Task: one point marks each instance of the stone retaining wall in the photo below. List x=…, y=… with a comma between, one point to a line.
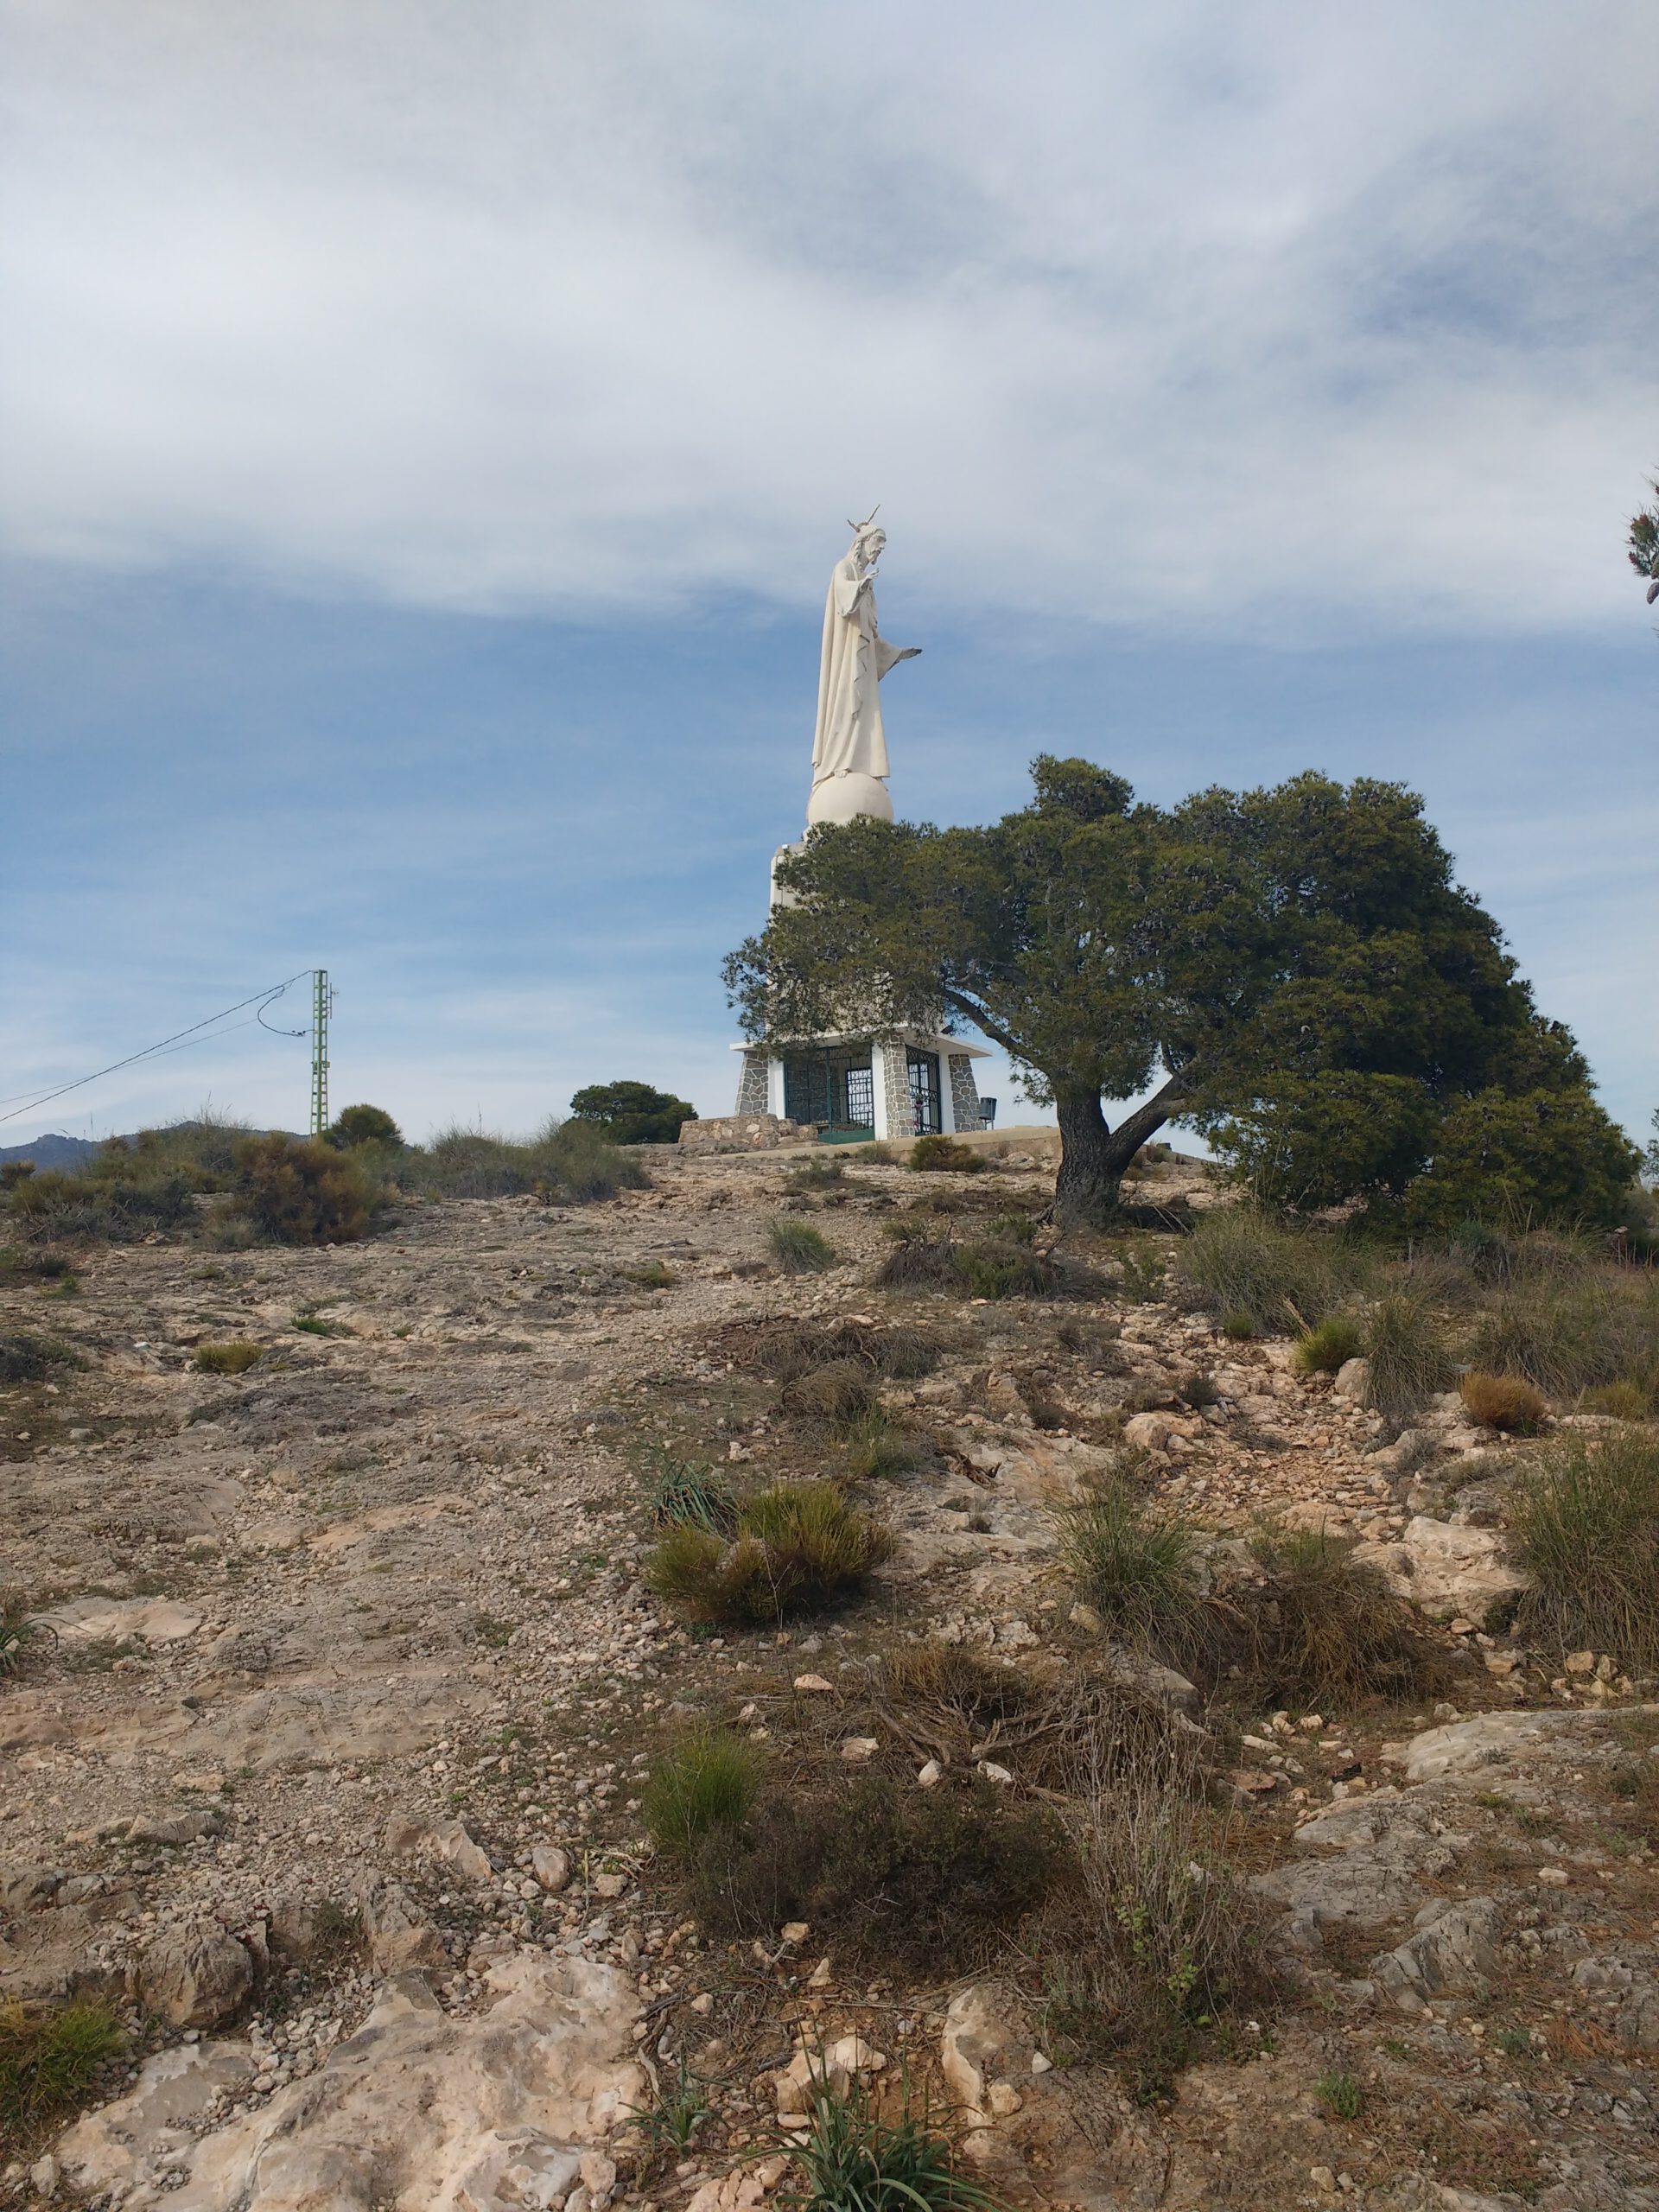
x=743, y=1132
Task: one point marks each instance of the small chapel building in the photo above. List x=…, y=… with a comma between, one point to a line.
x=852, y=1086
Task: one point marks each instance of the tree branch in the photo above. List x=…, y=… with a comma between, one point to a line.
x=961, y=1003
x=1157, y=1110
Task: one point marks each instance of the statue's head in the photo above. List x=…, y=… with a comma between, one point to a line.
x=867, y=540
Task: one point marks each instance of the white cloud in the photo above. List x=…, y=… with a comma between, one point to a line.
x=1288, y=319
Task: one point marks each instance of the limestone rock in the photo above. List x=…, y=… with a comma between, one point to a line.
x=175, y=1827
x=1353, y=1381
x=1452, y=1570
x=550, y=1866
x=741, y=2191
x=446, y=1839
x=108, y=2148
x=1148, y=1432
x=1384, y=1848
x=400, y=1939
x=415, y=2108
x=196, y=1976
x=1454, y=1948
x=1461, y=1746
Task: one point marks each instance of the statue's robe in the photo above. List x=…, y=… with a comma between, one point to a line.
x=849, y=739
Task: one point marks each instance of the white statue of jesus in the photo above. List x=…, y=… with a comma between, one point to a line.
x=849, y=740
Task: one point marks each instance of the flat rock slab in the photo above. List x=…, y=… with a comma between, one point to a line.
x=96, y=1620
x=1494, y=1739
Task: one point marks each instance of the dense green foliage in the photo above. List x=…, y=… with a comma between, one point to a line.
x=1642, y=547
x=358, y=1125
x=632, y=1112
x=1317, y=994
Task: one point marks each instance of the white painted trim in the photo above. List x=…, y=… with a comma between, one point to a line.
x=947, y=1102
x=879, y=1084
x=775, y=1087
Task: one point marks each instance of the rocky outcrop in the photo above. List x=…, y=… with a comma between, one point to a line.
x=195, y=1976
x=416, y=2110
x=1454, y=1947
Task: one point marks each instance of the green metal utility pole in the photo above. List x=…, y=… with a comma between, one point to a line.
x=322, y=999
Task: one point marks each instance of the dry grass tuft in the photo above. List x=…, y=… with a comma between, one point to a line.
x=1325, y=1628
x=233, y=1358
x=789, y=1348
x=798, y=1247
x=943, y=1156
x=1503, y=1401
x=839, y=1396
x=50, y=2057
x=1410, y=1359
x=1140, y=1567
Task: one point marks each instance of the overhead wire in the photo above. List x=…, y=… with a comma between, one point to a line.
x=259, y=1000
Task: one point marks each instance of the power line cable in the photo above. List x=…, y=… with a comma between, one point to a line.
x=261, y=999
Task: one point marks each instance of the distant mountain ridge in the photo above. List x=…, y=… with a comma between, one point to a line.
x=52, y=1151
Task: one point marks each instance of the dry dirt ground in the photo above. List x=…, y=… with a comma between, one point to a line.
x=328, y=1755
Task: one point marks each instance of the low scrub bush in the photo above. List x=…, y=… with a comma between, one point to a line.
x=854, y=2158
x=1337, y=1339
x=707, y=1780
x=925, y=1258
x=1325, y=1628
x=876, y=1448
x=571, y=1162
x=1239, y=1263
x=1170, y=1941
x=1142, y=1274
x=1139, y=1567
x=360, y=1125
x=302, y=1191
x=796, y=1547
x=1410, y=1359
x=1619, y=1400
x=26, y=1357
x=50, y=2057
x=233, y=1358
x=931, y=1879
x=1584, y=1526
x=823, y=1172
x=787, y=1350
x=1503, y=1401
x=943, y=1156
x=798, y=1249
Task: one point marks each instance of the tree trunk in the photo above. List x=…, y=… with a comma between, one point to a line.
x=1094, y=1157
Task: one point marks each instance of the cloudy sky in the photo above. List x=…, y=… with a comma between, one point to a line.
x=427, y=430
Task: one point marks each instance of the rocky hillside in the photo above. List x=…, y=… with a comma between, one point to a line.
x=339, y=1684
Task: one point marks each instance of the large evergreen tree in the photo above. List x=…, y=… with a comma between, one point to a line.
x=1295, y=971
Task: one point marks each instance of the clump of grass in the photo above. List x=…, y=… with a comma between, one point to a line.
x=1618, y=1400
x=670, y=2122
x=17, y=1632
x=686, y=1493
x=49, y=2058
x=572, y=1162
x=1138, y=1566
x=943, y=1156
x=926, y=1258
x=233, y=1358
x=1584, y=1526
x=853, y=2159
x=1337, y=1339
x=840, y=1394
x=1341, y=2095
x=1241, y=1262
x=1325, y=1627
x=933, y=1878
x=1410, y=1359
x=1013, y=1228
x=876, y=1448
x=798, y=1249
x=796, y=1547
x=1239, y=1326
x=25, y=1357
x=1568, y=1324
x=1506, y=1403
x=1142, y=1274
x=654, y=1275
x=708, y=1779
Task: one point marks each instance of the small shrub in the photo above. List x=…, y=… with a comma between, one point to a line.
x=789, y=1348
x=1341, y=2095
x=997, y=1270
x=1013, y=1228
x=1325, y=1628
x=1142, y=1275
x=1238, y=1261
x=1569, y=1328
x=359, y=1125
x=233, y=1358
x=821, y=1172
x=708, y=1779
x=1504, y=1403
x=632, y=1113
x=853, y=2159
x=1411, y=1360
x=1137, y=1565
x=921, y=1259
x=28, y=1359
x=1337, y=1339
x=1198, y=1390
x=943, y=1156
x=796, y=1547
x=934, y=1879
x=1170, y=1940
x=49, y=2058
x=302, y=1191
x=654, y=1275
x=1239, y=1326
x=798, y=1249
x=1585, y=1528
